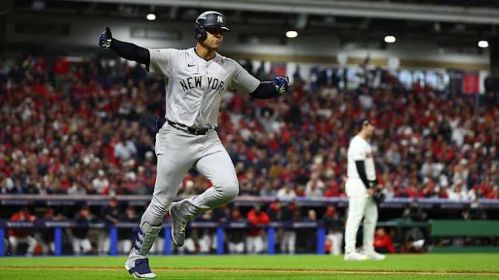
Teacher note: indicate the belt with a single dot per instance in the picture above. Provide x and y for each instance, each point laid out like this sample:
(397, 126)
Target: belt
(191, 130)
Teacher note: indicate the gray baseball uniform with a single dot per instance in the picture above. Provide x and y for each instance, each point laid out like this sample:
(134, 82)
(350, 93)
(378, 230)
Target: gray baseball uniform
(193, 95)
(188, 138)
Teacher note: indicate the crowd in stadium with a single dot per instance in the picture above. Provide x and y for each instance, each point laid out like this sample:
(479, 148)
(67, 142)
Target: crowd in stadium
(88, 128)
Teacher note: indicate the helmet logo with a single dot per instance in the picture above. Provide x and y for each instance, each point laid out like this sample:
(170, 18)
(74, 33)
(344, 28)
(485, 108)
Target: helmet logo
(220, 19)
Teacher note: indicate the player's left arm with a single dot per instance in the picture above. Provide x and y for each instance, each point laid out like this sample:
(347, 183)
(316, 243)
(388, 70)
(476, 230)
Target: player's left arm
(268, 89)
(361, 169)
(260, 90)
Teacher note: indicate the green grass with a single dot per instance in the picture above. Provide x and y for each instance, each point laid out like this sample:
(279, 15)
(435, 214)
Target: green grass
(425, 266)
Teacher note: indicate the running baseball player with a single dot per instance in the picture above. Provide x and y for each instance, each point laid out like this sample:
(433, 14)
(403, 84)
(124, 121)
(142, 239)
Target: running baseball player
(197, 80)
(362, 191)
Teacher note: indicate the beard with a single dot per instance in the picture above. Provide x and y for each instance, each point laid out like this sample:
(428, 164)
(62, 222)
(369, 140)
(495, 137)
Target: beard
(205, 45)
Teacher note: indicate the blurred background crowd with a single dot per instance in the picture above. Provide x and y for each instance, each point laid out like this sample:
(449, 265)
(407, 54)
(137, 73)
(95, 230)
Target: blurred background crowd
(88, 128)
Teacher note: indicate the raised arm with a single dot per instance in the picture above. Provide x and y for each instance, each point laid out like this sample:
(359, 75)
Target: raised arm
(269, 89)
(126, 50)
(260, 90)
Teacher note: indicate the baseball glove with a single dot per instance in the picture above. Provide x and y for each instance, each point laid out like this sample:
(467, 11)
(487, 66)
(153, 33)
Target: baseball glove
(378, 196)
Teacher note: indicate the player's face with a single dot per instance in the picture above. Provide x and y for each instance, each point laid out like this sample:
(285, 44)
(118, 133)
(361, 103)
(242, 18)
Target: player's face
(214, 38)
(370, 130)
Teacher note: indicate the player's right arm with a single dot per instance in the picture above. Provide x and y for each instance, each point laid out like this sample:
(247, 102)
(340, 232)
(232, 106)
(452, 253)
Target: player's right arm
(126, 50)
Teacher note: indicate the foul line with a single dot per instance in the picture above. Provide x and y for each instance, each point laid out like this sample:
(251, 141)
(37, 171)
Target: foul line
(262, 270)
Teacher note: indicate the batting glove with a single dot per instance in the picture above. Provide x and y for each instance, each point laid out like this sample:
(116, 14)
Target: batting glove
(105, 39)
(281, 85)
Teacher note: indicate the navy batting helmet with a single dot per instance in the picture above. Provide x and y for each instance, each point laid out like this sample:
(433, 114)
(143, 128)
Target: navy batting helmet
(206, 21)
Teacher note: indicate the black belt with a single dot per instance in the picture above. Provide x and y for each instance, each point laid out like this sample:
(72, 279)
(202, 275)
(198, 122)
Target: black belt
(192, 130)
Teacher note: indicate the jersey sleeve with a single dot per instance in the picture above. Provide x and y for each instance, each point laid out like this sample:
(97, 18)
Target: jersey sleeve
(161, 61)
(358, 151)
(243, 80)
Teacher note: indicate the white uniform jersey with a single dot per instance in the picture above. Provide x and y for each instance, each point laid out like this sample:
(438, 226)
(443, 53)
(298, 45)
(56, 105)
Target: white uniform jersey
(360, 149)
(196, 86)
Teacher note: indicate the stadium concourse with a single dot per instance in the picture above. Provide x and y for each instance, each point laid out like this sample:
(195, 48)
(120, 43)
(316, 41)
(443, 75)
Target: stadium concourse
(88, 128)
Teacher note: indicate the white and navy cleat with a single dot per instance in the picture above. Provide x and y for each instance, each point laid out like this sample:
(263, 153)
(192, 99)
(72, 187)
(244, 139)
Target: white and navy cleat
(140, 269)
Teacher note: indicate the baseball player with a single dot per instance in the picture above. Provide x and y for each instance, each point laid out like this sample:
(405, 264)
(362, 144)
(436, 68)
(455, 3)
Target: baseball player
(361, 191)
(197, 80)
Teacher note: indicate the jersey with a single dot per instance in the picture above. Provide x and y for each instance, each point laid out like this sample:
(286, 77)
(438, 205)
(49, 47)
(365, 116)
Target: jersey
(360, 149)
(196, 86)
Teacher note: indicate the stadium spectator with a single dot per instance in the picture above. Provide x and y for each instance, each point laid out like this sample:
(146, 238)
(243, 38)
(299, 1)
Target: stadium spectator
(124, 149)
(275, 213)
(383, 242)
(286, 193)
(80, 240)
(315, 186)
(474, 212)
(100, 183)
(111, 216)
(47, 235)
(125, 236)
(206, 238)
(307, 235)
(290, 215)
(334, 226)
(255, 238)
(235, 236)
(22, 235)
(414, 241)
(414, 237)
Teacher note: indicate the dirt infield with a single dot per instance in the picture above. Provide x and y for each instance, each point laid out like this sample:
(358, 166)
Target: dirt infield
(260, 270)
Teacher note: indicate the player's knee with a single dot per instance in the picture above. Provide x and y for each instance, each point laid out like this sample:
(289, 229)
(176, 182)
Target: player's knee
(370, 219)
(230, 190)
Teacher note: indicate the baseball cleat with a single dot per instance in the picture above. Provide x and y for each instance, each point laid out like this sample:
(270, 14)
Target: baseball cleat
(178, 215)
(355, 257)
(372, 255)
(140, 269)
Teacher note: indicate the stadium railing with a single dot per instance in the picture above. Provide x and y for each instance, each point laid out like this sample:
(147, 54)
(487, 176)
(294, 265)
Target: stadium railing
(142, 200)
(9, 200)
(220, 228)
(464, 229)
